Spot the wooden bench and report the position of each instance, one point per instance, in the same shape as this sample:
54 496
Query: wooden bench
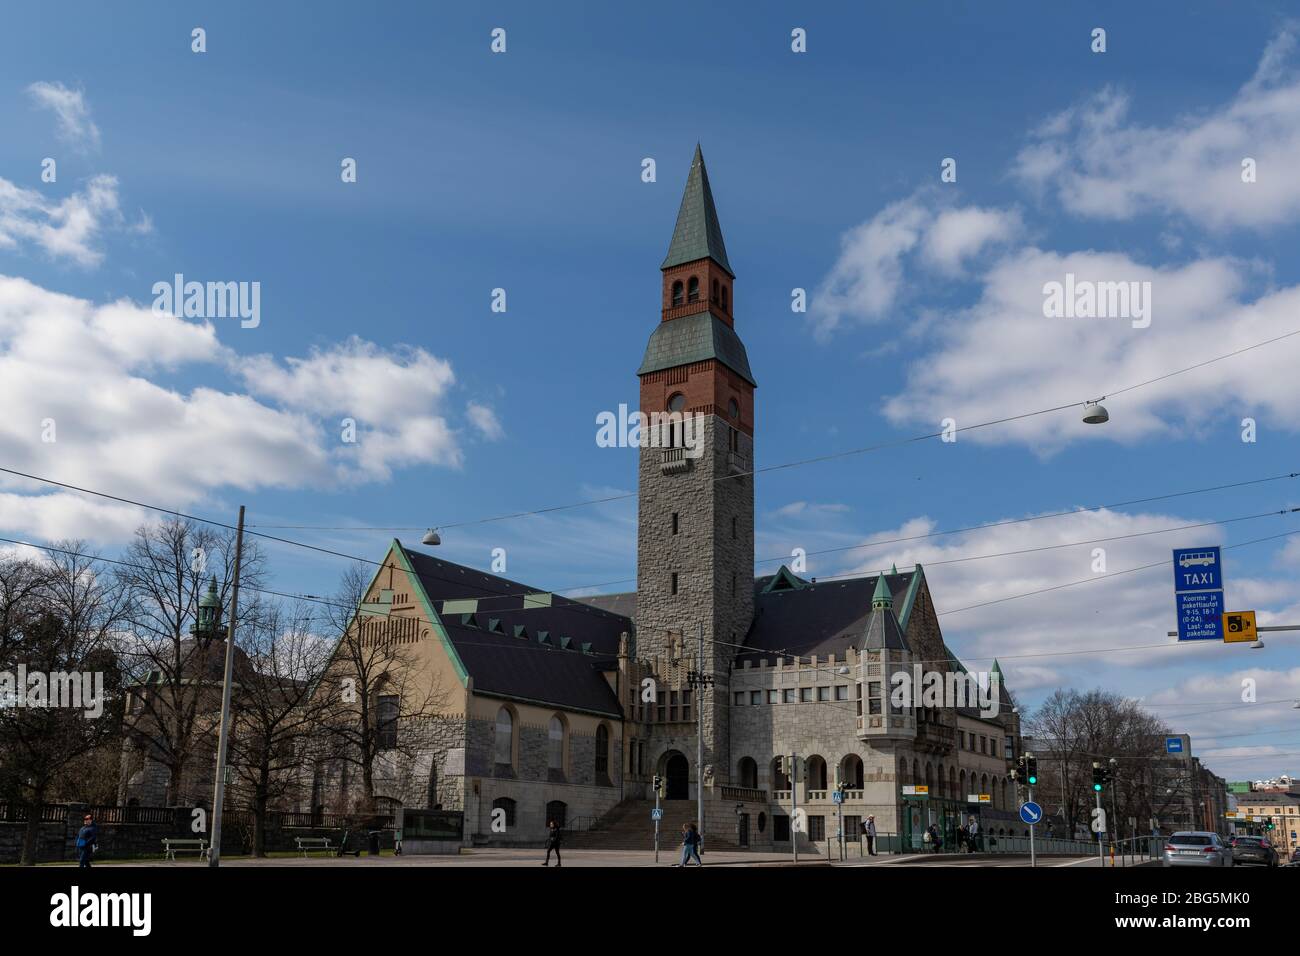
313 843
170 846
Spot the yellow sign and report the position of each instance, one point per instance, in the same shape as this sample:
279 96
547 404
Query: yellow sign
1239 627
986 798
916 791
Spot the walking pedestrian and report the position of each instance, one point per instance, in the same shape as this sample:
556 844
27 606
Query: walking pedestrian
87 840
973 830
869 831
553 840
690 844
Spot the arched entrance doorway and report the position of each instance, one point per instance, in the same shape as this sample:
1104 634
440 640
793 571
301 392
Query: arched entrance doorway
676 776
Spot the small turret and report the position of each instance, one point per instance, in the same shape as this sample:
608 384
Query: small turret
209 616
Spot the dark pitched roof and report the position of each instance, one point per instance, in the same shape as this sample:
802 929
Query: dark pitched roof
508 660
883 632
624 603
817 618
695 338
698 234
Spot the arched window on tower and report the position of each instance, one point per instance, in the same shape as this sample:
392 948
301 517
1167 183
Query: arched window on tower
693 290
675 436
714 296
677 293
724 299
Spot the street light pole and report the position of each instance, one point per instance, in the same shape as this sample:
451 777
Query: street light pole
699 738
223 740
697 680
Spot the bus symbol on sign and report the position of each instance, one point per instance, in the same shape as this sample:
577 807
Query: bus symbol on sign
1195 558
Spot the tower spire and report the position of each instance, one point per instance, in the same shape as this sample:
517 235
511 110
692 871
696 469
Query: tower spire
698 234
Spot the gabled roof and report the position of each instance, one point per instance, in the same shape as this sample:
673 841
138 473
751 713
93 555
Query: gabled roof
499 646
698 234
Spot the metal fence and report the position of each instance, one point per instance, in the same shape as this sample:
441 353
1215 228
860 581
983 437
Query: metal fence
277 819
1129 852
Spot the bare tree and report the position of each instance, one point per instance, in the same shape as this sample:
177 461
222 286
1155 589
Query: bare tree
57 618
1080 729
173 663
277 714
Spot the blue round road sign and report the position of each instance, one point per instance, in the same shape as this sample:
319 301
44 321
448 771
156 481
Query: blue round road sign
1031 812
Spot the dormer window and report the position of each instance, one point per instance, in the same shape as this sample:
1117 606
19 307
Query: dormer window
677 294
693 290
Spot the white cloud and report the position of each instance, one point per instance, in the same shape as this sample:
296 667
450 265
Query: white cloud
1002 355
485 420
68 228
1102 164
958 234
94 371
70 108
866 283
809 509
1087 619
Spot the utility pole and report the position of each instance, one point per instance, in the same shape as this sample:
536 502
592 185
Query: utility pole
1033 859
223 740
794 804
698 680
657 784
1101 852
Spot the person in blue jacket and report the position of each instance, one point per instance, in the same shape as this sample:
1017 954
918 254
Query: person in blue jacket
87 837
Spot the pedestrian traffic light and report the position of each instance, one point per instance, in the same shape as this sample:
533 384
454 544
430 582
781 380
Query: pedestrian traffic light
1098 776
1031 769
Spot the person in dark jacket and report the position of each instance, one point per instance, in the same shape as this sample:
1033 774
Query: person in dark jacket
690 844
936 840
87 837
553 840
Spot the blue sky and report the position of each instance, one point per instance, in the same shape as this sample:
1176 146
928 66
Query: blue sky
522 171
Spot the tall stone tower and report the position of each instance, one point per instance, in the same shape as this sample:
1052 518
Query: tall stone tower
695 543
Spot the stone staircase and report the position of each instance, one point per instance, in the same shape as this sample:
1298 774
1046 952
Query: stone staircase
627 826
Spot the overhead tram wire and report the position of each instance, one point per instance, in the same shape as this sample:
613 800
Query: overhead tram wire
883 541
584 608
785 652
576 606
896 443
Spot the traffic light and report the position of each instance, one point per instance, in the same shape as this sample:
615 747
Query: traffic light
1098 777
1031 769
1268 823
658 785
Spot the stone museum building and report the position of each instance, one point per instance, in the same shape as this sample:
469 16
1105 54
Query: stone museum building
568 709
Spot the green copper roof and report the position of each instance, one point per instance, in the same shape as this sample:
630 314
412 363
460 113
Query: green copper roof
698 235
695 338
210 599
882 597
